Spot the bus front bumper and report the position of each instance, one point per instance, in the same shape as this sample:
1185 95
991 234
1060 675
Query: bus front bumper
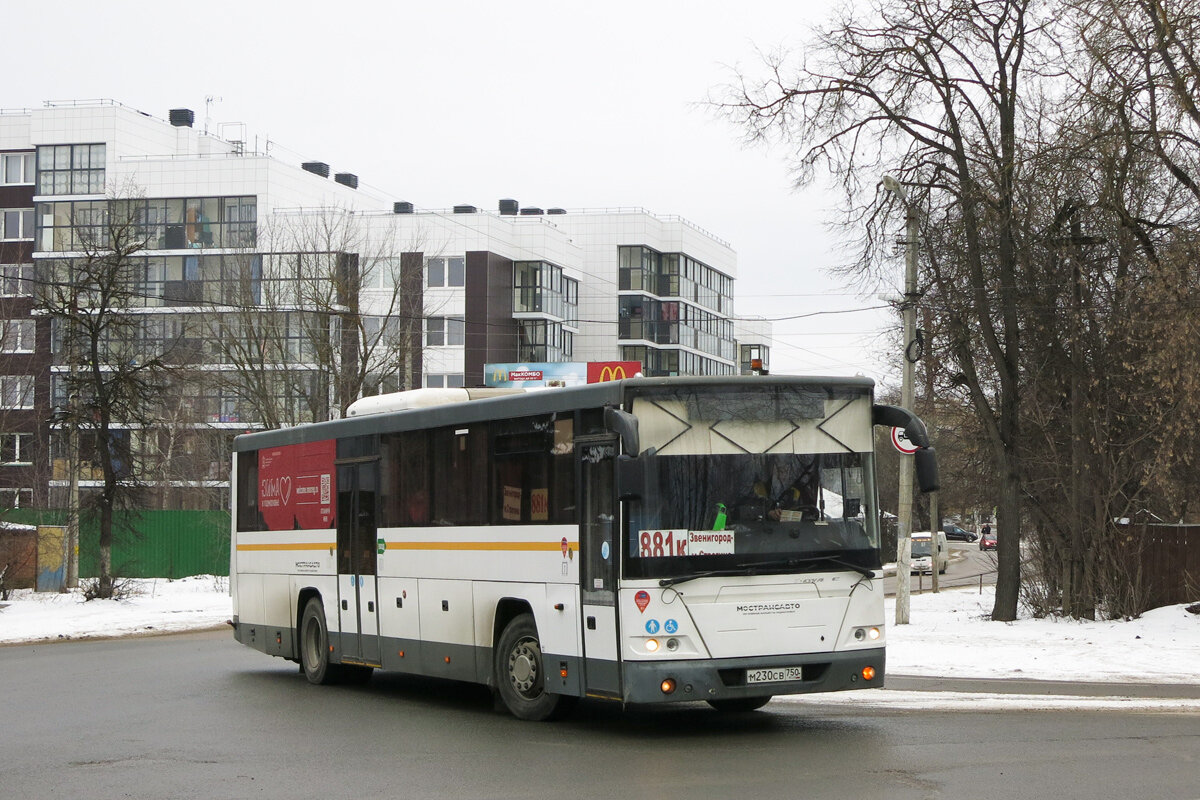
733 678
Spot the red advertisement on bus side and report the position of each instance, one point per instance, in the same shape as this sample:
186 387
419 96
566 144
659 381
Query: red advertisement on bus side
295 486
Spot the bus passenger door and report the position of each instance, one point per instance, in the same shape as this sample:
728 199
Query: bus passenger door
598 569
358 603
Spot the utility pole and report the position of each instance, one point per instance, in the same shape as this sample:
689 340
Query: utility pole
935 514
904 524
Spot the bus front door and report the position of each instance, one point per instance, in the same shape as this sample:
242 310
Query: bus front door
598 568
357 482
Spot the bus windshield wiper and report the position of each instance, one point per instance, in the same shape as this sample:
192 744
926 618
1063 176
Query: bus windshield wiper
864 571
753 569
749 569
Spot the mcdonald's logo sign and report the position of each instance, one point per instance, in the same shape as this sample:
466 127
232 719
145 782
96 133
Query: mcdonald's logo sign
601 371
499 375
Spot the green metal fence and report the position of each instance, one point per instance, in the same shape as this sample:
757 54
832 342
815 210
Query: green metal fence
149 544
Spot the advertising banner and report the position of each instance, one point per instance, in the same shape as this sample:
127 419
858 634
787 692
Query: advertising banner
601 371
295 486
529 375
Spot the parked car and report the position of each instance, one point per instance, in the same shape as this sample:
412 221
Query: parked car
987 541
957 534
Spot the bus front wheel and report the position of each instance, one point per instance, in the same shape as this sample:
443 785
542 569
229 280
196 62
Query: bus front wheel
314 645
521 672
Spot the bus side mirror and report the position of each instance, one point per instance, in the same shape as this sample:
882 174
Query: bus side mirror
925 463
624 425
637 475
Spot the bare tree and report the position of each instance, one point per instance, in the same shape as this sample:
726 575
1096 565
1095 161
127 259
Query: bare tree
1054 150
930 92
331 310
112 381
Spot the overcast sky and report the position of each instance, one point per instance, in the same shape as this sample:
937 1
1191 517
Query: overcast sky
576 105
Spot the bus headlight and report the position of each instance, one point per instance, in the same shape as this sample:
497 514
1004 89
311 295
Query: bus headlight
652 645
862 634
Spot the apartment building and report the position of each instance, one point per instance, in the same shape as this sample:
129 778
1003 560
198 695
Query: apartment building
447 291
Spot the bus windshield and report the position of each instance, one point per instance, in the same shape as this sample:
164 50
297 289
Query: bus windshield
743 487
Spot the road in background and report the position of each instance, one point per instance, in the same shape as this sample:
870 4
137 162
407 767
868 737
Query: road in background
200 716
969 566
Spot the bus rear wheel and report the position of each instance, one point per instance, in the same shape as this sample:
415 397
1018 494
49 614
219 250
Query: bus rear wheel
521 672
314 645
740 704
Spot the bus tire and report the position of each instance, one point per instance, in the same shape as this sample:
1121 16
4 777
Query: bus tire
737 704
521 672
314 645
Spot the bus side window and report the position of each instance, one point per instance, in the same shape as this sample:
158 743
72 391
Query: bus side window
459 486
405 481
248 516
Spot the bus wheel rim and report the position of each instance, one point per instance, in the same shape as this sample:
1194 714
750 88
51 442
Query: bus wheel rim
523 672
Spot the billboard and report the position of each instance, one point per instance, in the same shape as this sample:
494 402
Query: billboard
529 375
601 371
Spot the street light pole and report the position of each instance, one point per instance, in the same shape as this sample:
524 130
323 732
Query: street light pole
909 312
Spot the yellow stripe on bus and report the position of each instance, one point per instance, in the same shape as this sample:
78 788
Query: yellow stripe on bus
519 546
478 546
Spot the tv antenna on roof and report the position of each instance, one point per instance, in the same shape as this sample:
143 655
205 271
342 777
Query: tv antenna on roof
208 101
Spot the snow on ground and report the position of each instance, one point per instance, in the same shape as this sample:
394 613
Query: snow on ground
949 635
156 606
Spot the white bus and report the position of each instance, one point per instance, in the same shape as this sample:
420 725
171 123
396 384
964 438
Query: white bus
644 541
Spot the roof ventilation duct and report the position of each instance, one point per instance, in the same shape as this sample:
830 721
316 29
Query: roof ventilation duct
182 117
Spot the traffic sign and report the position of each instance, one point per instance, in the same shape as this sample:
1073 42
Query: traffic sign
901 442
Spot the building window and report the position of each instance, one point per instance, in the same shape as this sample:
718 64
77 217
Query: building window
445 272
16 448
16 391
70 169
19 168
17 223
16 498
440 331
16 279
539 340
540 287
17 335
445 381
178 223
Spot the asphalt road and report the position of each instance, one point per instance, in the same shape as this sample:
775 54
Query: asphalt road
968 567
199 716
